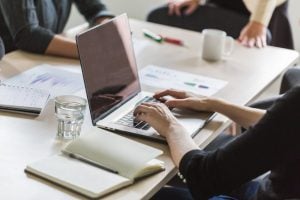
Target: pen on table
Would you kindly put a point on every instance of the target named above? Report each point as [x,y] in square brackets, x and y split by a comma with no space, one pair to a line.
[152,35]
[203,86]
[159,38]
[172,41]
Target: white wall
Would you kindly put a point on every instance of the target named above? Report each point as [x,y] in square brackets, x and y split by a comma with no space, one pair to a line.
[139,8]
[134,8]
[294,15]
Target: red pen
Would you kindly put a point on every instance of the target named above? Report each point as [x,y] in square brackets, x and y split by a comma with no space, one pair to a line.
[173,40]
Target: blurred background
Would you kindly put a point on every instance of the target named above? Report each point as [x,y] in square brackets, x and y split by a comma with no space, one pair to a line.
[138,9]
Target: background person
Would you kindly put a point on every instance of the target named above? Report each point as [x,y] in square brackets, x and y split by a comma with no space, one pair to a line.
[2,50]
[246,20]
[35,25]
[270,143]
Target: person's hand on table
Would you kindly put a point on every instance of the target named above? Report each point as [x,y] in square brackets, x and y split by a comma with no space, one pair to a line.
[184,100]
[254,34]
[175,7]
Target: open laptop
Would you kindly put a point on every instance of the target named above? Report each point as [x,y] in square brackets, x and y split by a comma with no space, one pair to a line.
[112,83]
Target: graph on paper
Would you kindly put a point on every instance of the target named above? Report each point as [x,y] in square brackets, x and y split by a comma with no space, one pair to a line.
[57,80]
[164,78]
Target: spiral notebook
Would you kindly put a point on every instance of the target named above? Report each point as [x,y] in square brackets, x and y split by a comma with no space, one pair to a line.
[22,99]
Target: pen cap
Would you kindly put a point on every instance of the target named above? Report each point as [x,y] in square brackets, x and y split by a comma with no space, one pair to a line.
[152,35]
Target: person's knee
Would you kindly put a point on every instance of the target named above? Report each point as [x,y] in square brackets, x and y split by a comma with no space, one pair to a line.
[290,79]
[2,50]
[296,88]
[265,103]
[158,14]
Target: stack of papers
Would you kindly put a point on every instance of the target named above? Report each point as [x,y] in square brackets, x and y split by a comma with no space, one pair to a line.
[57,81]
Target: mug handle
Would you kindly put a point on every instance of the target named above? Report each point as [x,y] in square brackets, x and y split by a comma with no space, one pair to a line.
[229,45]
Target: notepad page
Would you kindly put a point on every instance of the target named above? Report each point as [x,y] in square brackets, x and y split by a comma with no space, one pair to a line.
[81,177]
[115,152]
[22,97]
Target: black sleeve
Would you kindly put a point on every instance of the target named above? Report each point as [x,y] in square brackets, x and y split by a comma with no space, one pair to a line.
[274,140]
[92,9]
[2,49]
[22,21]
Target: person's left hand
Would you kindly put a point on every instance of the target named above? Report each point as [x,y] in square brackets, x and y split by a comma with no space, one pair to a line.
[158,116]
[175,7]
[184,100]
[254,34]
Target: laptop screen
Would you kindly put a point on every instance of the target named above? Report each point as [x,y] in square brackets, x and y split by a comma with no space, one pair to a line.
[108,66]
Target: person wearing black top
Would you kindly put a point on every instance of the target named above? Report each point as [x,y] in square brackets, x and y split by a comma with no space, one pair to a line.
[2,50]
[271,143]
[35,25]
[231,16]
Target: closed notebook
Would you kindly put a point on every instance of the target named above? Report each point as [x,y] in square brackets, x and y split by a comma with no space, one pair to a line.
[98,163]
[22,99]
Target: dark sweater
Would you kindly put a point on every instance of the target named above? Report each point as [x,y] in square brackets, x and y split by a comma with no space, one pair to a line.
[272,144]
[30,25]
[2,50]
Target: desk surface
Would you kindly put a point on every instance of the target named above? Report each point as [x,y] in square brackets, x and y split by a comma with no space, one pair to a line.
[25,139]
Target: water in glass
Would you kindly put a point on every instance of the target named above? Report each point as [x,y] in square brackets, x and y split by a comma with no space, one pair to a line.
[69,111]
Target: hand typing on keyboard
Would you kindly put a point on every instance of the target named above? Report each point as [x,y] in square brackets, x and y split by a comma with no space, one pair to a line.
[152,100]
[130,120]
[164,99]
[141,124]
[136,121]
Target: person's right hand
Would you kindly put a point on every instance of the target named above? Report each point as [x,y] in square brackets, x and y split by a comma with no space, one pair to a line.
[175,7]
[184,100]
[158,116]
[254,34]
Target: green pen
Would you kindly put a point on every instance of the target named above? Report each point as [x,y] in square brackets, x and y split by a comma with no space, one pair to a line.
[152,35]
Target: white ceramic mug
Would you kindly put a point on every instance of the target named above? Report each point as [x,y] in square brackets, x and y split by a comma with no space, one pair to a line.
[215,44]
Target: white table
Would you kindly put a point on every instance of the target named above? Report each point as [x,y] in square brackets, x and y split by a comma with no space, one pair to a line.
[26,139]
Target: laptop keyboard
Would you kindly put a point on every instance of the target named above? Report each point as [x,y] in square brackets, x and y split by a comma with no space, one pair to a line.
[129,119]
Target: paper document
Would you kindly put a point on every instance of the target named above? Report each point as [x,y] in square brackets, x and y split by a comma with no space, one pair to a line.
[56,80]
[167,78]
[22,99]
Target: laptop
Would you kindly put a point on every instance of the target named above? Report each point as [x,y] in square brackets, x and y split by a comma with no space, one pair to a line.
[112,83]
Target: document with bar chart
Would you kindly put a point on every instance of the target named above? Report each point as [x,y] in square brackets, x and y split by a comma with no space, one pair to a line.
[58,80]
[165,78]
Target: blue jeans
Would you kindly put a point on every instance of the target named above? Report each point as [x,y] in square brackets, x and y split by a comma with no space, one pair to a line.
[246,192]
[222,197]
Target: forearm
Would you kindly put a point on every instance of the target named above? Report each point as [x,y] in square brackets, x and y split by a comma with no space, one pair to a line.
[180,142]
[263,11]
[242,115]
[22,21]
[62,46]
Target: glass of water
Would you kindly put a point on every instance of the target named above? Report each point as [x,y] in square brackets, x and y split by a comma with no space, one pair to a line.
[69,111]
